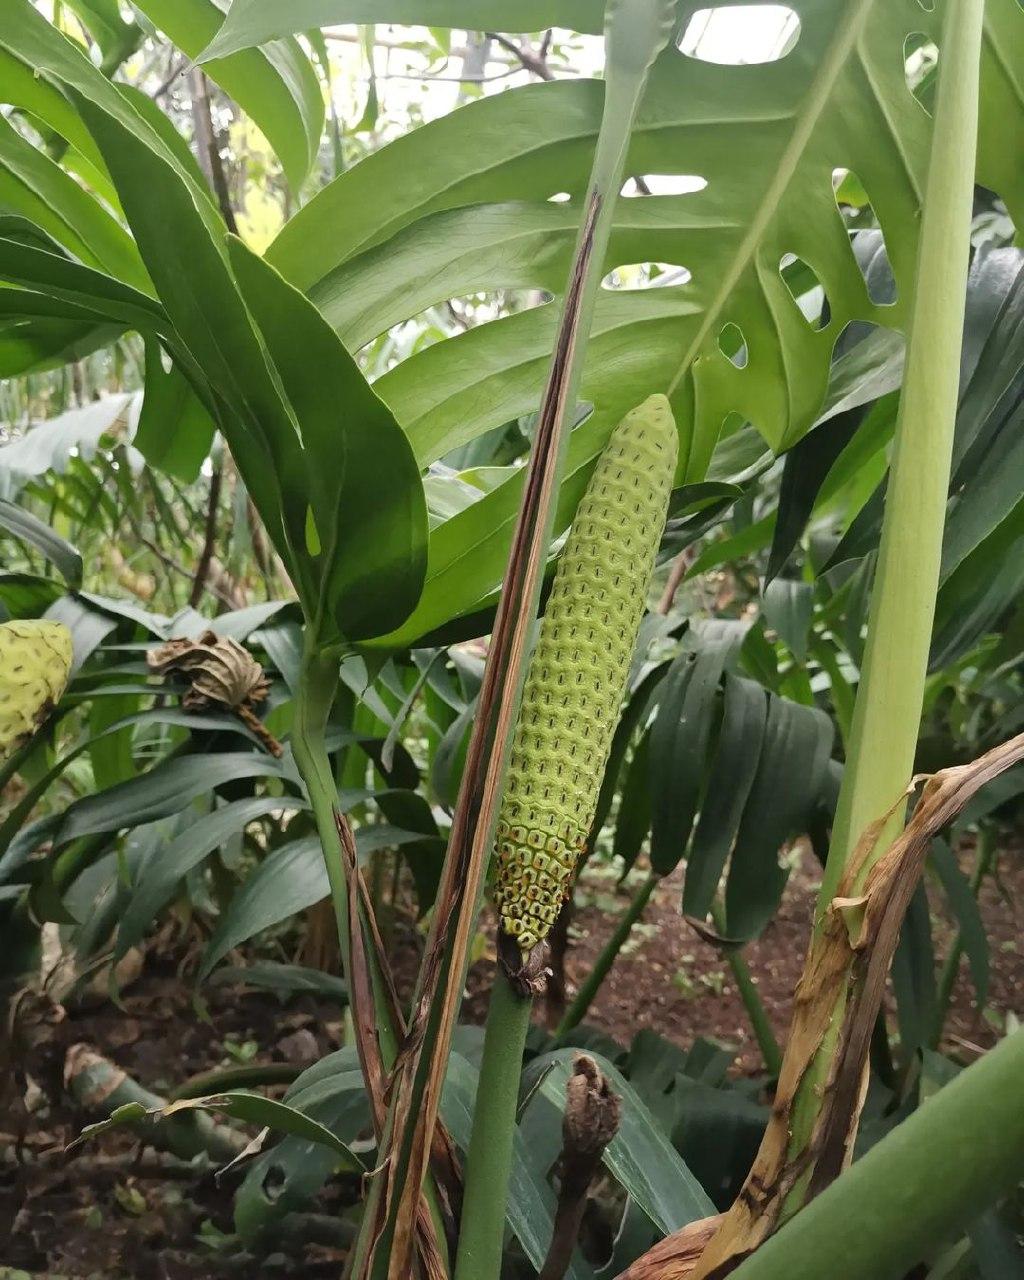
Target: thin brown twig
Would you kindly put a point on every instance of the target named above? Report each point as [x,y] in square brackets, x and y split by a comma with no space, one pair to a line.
[179,568]
[531,61]
[209,535]
[207,148]
[675,577]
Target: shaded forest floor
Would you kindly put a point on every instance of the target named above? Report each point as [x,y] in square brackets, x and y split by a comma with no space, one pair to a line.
[110,1210]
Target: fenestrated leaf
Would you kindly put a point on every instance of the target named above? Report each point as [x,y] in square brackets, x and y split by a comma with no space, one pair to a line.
[275,85]
[733,769]
[29,528]
[254,22]
[687,702]
[532,142]
[795,752]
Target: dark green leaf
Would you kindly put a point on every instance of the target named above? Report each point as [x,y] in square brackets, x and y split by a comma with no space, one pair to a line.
[687,703]
[159,879]
[733,769]
[165,789]
[964,906]
[794,760]
[373,537]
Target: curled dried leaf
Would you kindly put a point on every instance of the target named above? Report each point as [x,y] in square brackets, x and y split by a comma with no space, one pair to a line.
[216,671]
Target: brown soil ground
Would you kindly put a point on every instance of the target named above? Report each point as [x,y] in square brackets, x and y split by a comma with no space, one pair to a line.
[106,1212]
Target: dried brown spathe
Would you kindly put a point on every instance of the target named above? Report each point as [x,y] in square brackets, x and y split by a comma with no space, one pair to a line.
[216,672]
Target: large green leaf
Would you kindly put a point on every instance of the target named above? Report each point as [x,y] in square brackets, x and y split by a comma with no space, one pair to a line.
[732,773]
[368,247]
[254,22]
[530,1206]
[288,464]
[34,185]
[287,1177]
[276,85]
[165,789]
[291,879]
[783,125]
[791,773]
[116,38]
[43,71]
[252,1108]
[362,481]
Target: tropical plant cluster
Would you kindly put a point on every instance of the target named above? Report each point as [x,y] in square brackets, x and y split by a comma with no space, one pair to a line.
[356,357]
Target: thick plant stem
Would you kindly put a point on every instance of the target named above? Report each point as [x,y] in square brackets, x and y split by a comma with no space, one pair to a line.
[489,1159]
[951,965]
[887,714]
[318,683]
[752,1002]
[583,999]
[965,1147]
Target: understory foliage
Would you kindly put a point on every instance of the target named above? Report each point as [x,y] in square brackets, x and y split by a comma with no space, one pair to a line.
[313,329]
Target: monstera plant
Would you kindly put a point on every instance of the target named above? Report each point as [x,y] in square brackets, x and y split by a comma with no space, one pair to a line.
[778,333]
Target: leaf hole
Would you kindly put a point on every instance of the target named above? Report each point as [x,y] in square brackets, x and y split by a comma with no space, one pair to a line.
[920,61]
[733,345]
[866,237]
[663,184]
[741,35]
[633,276]
[806,290]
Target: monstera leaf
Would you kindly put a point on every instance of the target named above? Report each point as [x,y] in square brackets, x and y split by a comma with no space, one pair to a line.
[745,332]
[464,204]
